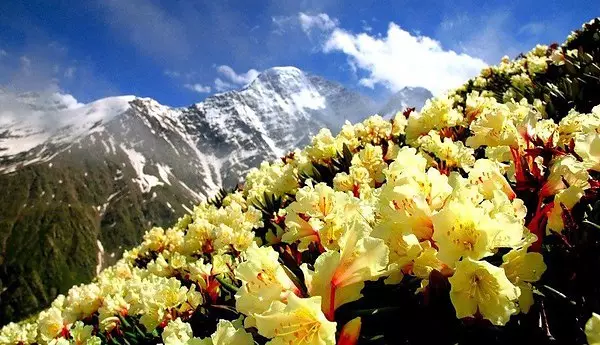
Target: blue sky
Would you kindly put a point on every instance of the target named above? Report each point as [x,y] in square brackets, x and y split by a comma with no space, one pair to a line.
[180,51]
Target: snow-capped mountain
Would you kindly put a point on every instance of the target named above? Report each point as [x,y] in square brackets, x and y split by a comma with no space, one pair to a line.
[408,97]
[82,182]
[278,111]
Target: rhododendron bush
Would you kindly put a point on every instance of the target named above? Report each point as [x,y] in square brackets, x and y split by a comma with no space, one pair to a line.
[473,221]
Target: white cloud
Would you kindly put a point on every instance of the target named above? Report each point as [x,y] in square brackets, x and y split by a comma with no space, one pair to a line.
[321,21]
[221,85]
[402,59]
[3,53]
[37,108]
[198,88]
[238,79]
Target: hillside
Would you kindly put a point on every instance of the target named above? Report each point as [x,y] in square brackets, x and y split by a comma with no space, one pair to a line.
[472,221]
[82,182]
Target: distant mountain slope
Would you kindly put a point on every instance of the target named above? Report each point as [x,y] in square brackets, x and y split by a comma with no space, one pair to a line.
[81,182]
[405,98]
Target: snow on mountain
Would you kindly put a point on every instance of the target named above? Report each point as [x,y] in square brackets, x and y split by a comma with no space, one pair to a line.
[220,139]
[30,124]
[223,136]
[408,97]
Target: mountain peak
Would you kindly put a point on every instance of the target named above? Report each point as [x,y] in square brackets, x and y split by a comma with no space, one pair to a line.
[282,70]
[279,75]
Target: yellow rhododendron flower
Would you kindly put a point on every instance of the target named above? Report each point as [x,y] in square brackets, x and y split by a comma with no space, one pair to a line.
[263,281]
[568,198]
[575,124]
[112,306]
[537,64]
[50,324]
[13,333]
[59,341]
[566,169]
[160,295]
[476,103]
[350,332]
[327,210]
[82,334]
[339,276]
[431,187]
[481,286]
[453,154]
[488,177]
[427,261]
[154,239]
[399,124]
[546,130]
[177,332]
[437,113]
[588,148]
[520,81]
[404,248]
[375,129]
[300,322]
[522,269]
[405,205]
[317,201]
[323,146]
[592,329]
[501,208]
[493,127]
[348,136]
[371,158]
[227,334]
[462,230]
[277,179]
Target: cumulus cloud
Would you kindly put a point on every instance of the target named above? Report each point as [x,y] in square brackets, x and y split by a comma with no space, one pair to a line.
[221,85]
[238,79]
[229,79]
[198,88]
[400,59]
[320,21]
[40,109]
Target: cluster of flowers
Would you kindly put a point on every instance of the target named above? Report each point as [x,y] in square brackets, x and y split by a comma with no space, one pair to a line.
[465,192]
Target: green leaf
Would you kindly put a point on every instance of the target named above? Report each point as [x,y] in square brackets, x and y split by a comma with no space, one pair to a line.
[227,286]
